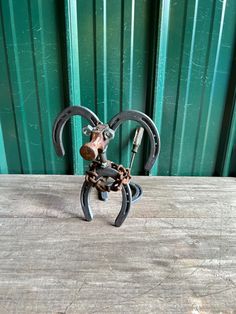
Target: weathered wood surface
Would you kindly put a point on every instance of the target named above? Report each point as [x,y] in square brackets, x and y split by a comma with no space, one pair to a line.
[176,253]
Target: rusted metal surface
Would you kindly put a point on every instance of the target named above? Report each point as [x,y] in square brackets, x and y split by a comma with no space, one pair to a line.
[101,183]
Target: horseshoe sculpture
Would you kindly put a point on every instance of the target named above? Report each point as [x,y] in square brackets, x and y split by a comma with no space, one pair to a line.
[103,174]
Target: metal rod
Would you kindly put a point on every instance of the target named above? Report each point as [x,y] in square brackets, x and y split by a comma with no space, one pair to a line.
[136,143]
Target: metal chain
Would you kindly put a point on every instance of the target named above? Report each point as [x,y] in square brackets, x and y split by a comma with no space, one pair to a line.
[100,182]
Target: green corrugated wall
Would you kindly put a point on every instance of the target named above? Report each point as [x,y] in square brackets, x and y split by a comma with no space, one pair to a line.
[173,59]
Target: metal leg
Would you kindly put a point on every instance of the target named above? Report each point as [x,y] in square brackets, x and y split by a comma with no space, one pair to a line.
[103,196]
[125,207]
[84,200]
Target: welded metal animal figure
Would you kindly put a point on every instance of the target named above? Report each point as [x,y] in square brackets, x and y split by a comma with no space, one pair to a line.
[103,174]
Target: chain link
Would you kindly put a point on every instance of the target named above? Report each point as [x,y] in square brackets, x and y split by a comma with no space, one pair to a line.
[100,182]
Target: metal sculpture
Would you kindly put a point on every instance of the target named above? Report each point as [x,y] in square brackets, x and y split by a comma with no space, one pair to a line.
[103,174]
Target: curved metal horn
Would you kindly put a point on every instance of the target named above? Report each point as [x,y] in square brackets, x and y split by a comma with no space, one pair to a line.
[147,124]
[61,120]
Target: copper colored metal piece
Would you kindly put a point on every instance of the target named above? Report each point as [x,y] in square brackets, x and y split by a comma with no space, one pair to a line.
[97,144]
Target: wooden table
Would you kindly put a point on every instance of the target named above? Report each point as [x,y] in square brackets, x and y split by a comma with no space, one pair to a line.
[176,252]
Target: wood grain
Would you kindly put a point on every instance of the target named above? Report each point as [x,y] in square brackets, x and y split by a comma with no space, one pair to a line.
[176,253]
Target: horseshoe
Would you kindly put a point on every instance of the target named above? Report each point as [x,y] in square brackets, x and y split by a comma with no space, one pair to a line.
[147,124]
[61,120]
[126,197]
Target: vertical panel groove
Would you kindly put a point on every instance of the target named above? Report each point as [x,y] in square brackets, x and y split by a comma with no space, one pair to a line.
[3,160]
[11,91]
[213,83]
[42,79]
[226,155]
[230,139]
[178,88]
[95,56]
[74,78]
[160,69]
[131,55]
[128,73]
[46,106]
[121,72]
[188,85]
[21,114]
[204,86]
[36,83]
[105,58]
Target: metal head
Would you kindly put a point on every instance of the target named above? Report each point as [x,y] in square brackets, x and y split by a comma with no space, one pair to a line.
[100,136]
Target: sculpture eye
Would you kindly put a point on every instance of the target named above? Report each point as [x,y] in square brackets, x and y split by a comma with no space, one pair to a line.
[87,130]
[106,135]
[109,134]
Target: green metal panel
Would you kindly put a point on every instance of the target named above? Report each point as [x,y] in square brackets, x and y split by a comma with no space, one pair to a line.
[229,165]
[193,83]
[226,161]
[73,69]
[173,59]
[113,59]
[32,91]
[3,161]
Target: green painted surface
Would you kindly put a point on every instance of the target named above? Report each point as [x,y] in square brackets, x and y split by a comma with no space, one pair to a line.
[3,160]
[73,75]
[197,70]
[226,160]
[32,90]
[229,165]
[173,59]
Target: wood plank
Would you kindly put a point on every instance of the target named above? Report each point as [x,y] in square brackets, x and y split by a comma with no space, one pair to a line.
[164,259]
[59,196]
